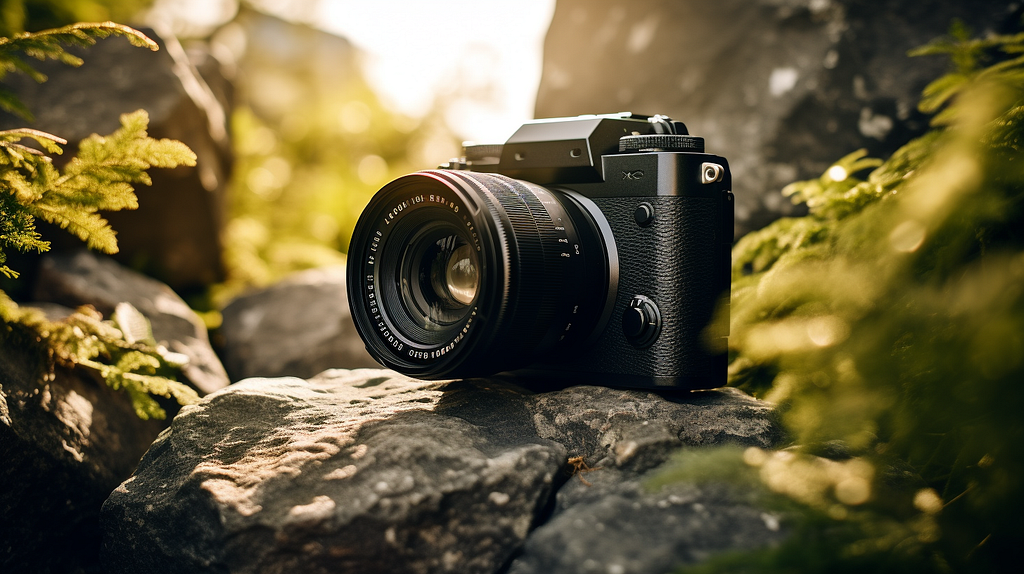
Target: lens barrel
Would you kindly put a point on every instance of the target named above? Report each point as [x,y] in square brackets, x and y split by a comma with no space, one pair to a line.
[459,274]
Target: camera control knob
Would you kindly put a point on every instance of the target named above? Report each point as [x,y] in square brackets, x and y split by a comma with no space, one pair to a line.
[660,142]
[641,321]
[644,214]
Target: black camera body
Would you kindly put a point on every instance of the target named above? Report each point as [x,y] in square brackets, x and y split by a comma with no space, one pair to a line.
[593,249]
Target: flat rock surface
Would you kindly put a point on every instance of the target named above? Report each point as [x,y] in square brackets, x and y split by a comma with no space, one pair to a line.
[350,471]
[369,471]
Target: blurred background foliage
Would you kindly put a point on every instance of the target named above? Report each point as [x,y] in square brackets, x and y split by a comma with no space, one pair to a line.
[312,143]
[887,325]
[311,139]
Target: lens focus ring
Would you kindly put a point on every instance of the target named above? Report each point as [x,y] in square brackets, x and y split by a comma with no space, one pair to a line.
[538,273]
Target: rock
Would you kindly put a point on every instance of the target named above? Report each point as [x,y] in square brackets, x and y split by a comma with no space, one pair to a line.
[85,278]
[606,520]
[612,524]
[298,327]
[639,430]
[782,88]
[65,444]
[175,232]
[352,471]
[368,471]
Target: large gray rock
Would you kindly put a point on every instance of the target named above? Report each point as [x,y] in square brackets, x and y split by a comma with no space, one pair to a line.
[368,471]
[353,471]
[175,232]
[606,520]
[65,443]
[639,430]
[298,327]
[613,524]
[782,88]
[84,278]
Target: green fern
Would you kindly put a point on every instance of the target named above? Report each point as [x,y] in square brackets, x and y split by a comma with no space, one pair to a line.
[108,350]
[50,45]
[102,177]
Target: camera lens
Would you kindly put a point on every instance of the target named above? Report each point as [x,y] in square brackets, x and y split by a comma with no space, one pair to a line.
[459,273]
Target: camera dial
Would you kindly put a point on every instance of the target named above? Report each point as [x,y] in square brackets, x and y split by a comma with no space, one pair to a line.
[641,321]
[660,142]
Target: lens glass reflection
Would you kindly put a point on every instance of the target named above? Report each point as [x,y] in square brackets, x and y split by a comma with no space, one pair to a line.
[452,271]
[462,274]
[438,277]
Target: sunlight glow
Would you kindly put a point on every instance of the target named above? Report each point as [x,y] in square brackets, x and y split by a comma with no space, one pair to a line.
[480,59]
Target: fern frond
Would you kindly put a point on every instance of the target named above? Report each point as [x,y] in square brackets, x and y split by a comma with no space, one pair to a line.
[85,341]
[86,225]
[50,45]
[102,177]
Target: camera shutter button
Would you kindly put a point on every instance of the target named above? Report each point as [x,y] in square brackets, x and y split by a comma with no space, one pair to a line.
[641,321]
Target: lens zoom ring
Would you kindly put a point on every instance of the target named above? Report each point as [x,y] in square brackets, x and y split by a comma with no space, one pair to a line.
[534,295]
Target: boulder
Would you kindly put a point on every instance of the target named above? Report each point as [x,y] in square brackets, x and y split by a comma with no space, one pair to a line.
[781,88]
[369,471]
[65,444]
[606,519]
[613,524]
[82,277]
[639,430]
[67,441]
[175,233]
[298,327]
[352,471]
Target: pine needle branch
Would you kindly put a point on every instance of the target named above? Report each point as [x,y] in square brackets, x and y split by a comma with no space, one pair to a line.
[104,349]
[50,45]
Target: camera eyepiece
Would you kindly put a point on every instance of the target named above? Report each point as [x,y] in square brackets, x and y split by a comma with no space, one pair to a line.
[458,273]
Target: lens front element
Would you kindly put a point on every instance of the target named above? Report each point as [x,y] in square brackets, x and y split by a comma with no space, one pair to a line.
[462,274]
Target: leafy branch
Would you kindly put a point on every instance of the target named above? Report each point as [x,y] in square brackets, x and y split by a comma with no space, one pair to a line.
[50,45]
[120,352]
[889,320]
[101,177]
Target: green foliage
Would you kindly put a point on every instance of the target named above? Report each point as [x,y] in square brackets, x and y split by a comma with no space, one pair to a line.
[101,177]
[20,15]
[890,319]
[49,45]
[121,352]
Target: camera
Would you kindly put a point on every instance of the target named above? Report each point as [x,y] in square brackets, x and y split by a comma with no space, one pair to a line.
[590,249]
